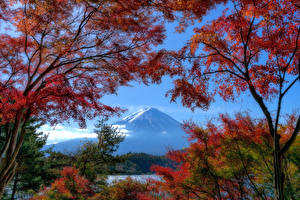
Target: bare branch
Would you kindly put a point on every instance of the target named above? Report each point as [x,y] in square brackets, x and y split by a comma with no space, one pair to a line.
[224,71]
[289,87]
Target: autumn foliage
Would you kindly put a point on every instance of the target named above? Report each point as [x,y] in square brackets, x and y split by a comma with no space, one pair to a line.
[73,186]
[251,48]
[70,186]
[123,190]
[58,58]
[67,54]
[253,45]
[229,161]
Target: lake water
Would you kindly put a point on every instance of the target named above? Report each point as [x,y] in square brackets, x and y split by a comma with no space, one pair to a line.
[140,178]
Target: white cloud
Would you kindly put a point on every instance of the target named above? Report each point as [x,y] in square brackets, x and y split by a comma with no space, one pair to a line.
[118,126]
[121,129]
[61,133]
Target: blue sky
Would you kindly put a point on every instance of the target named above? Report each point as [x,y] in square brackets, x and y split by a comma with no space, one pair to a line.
[139,96]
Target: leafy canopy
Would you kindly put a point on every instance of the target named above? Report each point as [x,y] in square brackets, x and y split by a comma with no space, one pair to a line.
[227,161]
[65,55]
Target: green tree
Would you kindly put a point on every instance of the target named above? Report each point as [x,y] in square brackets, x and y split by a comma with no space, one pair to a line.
[140,163]
[94,158]
[54,163]
[30,171]
[91,158]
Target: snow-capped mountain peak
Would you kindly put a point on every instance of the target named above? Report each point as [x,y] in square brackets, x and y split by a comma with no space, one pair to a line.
[147,119]
[137,114]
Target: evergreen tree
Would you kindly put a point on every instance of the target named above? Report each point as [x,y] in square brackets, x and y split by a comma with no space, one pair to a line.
[30,171]
[94,158]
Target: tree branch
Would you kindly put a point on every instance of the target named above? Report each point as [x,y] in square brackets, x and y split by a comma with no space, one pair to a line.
[263,106]
[225,57]
[287,89]
[287,145]
[247,42]
[224,71]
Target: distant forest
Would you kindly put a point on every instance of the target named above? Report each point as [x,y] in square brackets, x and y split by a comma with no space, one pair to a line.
[140,163]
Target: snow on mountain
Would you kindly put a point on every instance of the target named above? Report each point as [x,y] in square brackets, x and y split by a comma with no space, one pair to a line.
[149,119]
[148,130]
[133,116]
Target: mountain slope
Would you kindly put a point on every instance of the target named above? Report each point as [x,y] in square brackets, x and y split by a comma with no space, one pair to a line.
[147,130]
[151,131]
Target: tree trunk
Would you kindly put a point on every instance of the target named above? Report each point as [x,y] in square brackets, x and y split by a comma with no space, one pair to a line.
[84,167]
[278,172]
[2,188]
[8,162]
[14,190]
[6,177]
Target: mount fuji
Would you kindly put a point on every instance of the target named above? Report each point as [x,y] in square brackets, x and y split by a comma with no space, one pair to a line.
[147,131]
